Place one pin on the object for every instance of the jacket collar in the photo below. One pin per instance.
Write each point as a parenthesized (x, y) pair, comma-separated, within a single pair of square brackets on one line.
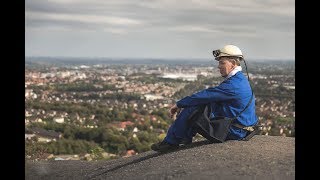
[(233, 72)]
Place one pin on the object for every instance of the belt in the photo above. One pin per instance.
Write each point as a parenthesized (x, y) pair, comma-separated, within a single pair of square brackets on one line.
[(248, 128)]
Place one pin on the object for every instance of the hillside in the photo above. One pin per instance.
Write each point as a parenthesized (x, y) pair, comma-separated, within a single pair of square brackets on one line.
[(263, 157)]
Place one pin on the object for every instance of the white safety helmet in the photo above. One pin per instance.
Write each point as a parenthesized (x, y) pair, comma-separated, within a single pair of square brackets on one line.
[(228, 50)]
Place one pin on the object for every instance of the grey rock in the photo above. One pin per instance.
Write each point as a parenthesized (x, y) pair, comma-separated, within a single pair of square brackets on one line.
[(262, 157)]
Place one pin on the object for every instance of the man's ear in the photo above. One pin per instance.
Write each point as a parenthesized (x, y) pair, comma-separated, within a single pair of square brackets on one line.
[(234, 62)]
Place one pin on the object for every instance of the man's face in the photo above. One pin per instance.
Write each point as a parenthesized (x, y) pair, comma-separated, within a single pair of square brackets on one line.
[(225, 66)]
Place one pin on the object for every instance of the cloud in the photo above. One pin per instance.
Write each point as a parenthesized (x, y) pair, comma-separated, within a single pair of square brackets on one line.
[(160, 13), (193, 20), (192, 29), (91, 19)]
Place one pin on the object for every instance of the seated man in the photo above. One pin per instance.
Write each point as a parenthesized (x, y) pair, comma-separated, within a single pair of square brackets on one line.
[(228, 99)]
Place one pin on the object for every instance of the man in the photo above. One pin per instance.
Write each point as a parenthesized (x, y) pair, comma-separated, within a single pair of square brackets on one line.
[(228, 99)]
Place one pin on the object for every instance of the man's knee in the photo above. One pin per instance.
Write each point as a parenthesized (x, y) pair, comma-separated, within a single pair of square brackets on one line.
[(193, 115)]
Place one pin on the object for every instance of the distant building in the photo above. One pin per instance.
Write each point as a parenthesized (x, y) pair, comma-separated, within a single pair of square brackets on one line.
[(45, 135), (186, 77), (135, 129), (152, 97), (130, 153), (290, 87), (58, 119), (29, 136), (121, 126), (84, 67)]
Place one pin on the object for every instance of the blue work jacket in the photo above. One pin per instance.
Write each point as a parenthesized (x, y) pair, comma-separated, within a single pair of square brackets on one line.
[(227, 99)]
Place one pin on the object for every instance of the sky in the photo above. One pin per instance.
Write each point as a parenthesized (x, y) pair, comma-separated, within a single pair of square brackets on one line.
[(168, 29)]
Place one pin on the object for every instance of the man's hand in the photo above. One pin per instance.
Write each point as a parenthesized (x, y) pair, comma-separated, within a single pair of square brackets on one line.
[(173, 110)]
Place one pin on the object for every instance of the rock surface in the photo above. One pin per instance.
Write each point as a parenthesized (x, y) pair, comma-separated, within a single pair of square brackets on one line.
[(263, 157)]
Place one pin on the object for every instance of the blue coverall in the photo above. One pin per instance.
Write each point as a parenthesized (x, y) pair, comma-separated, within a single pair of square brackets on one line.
[(227, 99)]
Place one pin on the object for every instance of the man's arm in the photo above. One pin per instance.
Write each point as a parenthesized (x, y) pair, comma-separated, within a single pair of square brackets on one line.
[(222, 92)]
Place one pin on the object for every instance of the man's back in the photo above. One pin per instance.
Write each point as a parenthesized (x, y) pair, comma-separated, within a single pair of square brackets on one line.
[(239, 91)]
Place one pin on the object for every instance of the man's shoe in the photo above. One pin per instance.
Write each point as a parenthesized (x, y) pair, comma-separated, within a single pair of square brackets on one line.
[(163, 146)]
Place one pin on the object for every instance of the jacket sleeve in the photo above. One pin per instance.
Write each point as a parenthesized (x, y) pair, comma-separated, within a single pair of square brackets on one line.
[(223, 92)]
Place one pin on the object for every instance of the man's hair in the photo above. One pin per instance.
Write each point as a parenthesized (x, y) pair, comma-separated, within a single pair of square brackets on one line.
[(236, 59)]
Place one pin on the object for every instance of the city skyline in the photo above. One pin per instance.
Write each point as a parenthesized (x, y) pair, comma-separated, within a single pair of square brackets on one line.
[(159, 29)]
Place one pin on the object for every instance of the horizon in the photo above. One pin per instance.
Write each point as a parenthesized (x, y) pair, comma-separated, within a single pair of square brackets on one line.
[(142, 58)]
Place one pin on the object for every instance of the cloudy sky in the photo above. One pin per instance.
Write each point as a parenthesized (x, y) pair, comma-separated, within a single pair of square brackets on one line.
[(263, 29)]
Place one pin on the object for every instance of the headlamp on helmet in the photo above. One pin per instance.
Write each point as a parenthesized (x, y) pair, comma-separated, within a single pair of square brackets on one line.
[(216, 53)]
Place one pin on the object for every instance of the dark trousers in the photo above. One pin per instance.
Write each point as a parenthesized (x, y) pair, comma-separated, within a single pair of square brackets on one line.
[(184, 128)]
